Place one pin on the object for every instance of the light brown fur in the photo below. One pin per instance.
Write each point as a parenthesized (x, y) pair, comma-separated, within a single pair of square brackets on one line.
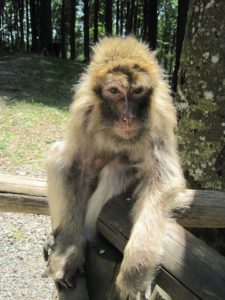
[(90, 148)]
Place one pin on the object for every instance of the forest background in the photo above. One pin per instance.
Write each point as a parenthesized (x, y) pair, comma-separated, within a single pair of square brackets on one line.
[(66, 29)]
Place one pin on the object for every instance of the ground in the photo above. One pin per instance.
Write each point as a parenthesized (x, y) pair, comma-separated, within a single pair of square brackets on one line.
[(35, 93)]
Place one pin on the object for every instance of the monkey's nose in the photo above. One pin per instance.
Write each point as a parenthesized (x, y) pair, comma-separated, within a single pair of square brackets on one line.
[(127, 119)]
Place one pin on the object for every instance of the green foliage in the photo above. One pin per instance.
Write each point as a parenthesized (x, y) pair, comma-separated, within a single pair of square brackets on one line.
[(167, 25), (166, 35)]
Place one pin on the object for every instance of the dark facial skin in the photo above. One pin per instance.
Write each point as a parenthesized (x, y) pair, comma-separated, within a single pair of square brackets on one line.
[(125, 110)]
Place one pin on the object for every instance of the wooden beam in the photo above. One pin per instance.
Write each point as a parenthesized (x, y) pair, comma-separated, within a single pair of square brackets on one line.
[(200, 269), (206, 208), (23, 204), (22, 185), (188, 261)]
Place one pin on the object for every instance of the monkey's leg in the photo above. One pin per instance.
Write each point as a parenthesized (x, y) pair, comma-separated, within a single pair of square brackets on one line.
[(68, 193), (113, 180), (144, 249)]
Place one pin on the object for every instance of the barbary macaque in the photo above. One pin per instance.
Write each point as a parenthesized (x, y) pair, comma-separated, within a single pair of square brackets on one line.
[(121, 130)]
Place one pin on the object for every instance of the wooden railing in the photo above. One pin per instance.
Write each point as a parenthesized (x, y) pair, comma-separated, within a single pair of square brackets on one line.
[(190, 269)]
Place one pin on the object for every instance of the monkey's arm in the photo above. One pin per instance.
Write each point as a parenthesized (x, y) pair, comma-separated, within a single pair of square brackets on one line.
[(144, 249), (70, 199), (67, 204)]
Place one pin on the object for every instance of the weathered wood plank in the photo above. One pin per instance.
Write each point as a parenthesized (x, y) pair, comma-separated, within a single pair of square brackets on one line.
[(101, 265), (22, 185), (23, 204), (193, 266), (173, 287), (198, 267), (79, 292), (207, 208)]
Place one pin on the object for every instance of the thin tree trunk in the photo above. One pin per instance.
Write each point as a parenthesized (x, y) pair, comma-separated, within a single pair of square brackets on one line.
[(72, 28), (181, 24), (27, 26), (96, 13), (108, 17), (21, 17), (135, 17), (63, 37), (46, 26), (145, 21), (152, 32), (86, 31), (131, 17), (15, 24), (2, 4), (121, 17), (127, 17), (117, 16), (33, 17)]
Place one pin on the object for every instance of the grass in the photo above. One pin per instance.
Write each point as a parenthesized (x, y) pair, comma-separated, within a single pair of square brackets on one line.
[(36, 112)]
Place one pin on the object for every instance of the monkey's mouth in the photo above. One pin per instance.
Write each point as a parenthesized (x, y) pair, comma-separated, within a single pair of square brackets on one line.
[(126, 133)]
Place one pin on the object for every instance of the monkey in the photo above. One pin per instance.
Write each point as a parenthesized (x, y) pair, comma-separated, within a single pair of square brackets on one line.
[(121, 131)]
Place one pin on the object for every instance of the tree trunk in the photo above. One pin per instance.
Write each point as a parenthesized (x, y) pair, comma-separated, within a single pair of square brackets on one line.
[(46, 26), (63, 36), (96, 12), (152, 24), (33, 17), (135, 29), (2, 4), (14, 23), (145, 21), (200, 95), (27, 26), (86, 31), (181, 23), (131, 17), (108, 17), (21, 17), (127, 17), (72, 28), (117, 16), (121, 17)]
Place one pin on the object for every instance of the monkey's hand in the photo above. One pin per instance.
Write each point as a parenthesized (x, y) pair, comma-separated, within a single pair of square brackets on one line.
[(135, 276), (64, 263)]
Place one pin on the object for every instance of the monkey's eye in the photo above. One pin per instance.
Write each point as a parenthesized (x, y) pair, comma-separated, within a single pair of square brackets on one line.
[(114, 90), (138, 90)]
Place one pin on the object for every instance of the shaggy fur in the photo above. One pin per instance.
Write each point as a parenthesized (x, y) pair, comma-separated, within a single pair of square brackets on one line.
[(93, 164)]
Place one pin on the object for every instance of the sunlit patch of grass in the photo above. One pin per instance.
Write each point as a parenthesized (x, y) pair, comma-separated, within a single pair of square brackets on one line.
[(27, 130), (16, 232), (37, 113)]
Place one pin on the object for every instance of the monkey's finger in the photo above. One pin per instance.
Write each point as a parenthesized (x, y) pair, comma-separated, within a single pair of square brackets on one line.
[(69, 283), (61, 284)]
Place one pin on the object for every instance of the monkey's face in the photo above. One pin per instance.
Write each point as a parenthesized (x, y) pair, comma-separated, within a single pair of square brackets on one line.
[(124, 102)]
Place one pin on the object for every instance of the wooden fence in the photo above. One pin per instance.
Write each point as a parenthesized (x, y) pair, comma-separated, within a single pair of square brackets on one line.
[(190, 269)]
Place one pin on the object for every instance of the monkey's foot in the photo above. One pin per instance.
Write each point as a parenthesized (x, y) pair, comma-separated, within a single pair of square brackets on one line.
[(133, 285), (64, 264), (64, 267)]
